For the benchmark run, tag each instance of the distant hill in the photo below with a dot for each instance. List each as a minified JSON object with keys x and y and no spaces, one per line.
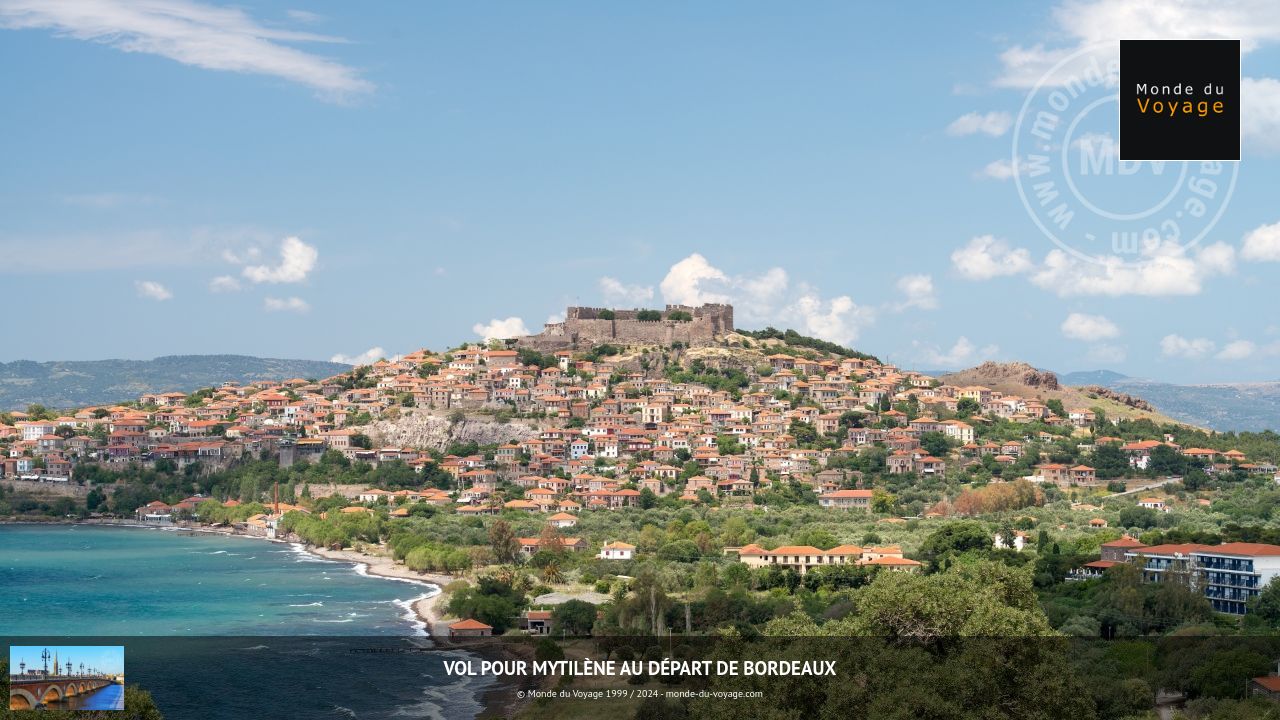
{"x":96,"y":382}
{"x":1091,"y":377}
{"x":1223,"y":407}
{"x":1024,"y":380}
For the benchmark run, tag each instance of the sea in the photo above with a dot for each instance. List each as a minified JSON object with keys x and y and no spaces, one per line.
{"x":224,"y":626}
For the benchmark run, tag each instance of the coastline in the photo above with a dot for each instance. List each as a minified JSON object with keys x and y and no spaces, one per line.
{"x":424,"y":608}
{"x":502,"y":698}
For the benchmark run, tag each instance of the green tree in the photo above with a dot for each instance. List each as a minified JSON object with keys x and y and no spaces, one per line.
{"x":1265,"y":606}
{"x":503,"y":540}
{"x":954,"y":539}
{"x":935,"y":443}
{"x":967,"y":407}
{"x":573,"y":617}
{"x":1138,"y":517}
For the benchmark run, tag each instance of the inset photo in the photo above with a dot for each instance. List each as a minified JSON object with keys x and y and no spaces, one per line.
{"x":66,"y":677}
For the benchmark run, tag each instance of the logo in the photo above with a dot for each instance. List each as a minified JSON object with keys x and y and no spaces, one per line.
{"x":1075,"y":186}
{"x":1180,"y":99}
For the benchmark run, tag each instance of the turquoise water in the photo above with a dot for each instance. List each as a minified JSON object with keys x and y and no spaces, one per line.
{"x":231,"y":611}
{"x":87,"y":580}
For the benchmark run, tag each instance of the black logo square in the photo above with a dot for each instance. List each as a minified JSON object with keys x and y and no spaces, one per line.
{"x":1179,"y":100}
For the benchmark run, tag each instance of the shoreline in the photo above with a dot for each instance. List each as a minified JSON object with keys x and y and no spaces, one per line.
{"x":423,"y":608}
{"x":503,"y":698}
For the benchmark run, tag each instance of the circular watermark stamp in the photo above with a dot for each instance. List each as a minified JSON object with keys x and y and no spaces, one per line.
{"x":1074,"y":186}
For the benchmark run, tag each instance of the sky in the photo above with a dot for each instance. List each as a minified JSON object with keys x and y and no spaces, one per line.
{"x":347,"y":181}
{"x":108,"y":659}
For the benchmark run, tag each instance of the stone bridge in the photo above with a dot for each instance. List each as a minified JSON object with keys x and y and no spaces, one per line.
{"x":27,"y":692}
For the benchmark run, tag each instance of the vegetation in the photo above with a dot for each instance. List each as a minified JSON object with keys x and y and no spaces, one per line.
{"x":62,"y":384}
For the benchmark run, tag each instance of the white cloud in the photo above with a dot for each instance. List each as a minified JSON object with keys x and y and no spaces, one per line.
{"x":1217,"y":259}
{"x":684,"y":283}
{"x":1191,"y":349}
{"x":152,"y":290}
{"x":224,"y":283}
{"x":297,"y":260}
{"x":1002,"y":169}
{"x":917,"y":291}
{"x":1090,"y":328}
{"x":618,"y":294}
{"x":555,"y":318}
{"x":192,"y":33}
{"x":986,"y":257}
{"x":768,"y":299}
{"x":964,"y":352}
{"x":1093,"y":29}
{"x":1260,"y":112}
{"x":1165,"y":270}
{"x":247,"y":255}
{"x":995,"y":124}
{"x":1262,"y":244}
{"x":497,"y":329}
{"x":1237,"y":350}
{"x":838,"y":320}
{"x":367,"y":357}
{"x":289,"y":304}
{"x":694,"y":281}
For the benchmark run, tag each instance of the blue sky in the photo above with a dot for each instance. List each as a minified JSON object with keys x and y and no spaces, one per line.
{"x":108,"y":659}
{"x":328,"y":179}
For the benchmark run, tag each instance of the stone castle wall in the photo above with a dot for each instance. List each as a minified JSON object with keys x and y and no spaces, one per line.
{"x":583,"y":326}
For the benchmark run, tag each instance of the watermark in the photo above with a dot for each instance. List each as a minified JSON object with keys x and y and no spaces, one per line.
{"x":1074,"y":186}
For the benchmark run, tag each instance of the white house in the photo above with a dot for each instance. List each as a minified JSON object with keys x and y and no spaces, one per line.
{"x":562,"y":520}
{"x":1154,"y":504}
{"x":617,"y":551}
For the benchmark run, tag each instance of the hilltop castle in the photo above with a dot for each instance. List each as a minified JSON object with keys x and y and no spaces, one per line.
{"x":585,"y":326}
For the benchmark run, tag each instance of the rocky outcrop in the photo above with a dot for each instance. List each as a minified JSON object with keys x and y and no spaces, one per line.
{"x":1132,"y":401}
{"x":421,"y":429}
{"x":993,"y":373}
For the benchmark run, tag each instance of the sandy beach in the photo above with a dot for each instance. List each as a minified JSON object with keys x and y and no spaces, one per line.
{"x":386,"y":566}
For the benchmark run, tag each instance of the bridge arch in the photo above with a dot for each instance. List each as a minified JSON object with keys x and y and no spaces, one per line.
{"x":70,"y":689}
{"x":53,"y":693}
{"x":20,"y":699}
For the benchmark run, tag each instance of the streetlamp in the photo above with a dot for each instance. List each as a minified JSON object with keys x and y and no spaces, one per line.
{"x":22,"y":668}
{"x":82,"y":668}
{"x":45,"y":657}
{"x":68,"y":667}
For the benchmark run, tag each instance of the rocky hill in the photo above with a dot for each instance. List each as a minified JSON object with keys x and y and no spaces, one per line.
{"x":1021,"y":379}
{"x":64,"y":384}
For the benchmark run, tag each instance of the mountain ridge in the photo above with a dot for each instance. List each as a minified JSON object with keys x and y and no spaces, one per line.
{"x":1241,"y":406}
{"x":77,"y":383}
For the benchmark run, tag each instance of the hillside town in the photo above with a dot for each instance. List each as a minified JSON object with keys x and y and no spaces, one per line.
{"x":611,"y":426}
